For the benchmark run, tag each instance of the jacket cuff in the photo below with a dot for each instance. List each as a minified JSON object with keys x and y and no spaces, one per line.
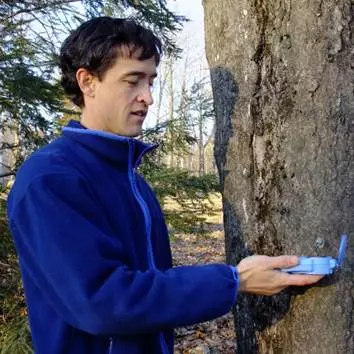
{"x":237,"y":281}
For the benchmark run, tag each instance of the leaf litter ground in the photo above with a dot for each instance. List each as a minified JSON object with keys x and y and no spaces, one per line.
{"x":217,"y":336}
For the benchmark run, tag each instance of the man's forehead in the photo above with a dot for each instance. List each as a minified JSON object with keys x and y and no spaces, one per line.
{"x":133,"y":66}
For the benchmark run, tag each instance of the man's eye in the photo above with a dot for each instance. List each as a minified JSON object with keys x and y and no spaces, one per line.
{"x":132,"y":83}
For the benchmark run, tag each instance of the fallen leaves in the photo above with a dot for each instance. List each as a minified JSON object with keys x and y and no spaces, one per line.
{"x":217,"y":336}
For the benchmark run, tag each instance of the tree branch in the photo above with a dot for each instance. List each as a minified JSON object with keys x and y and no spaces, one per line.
{"x":38,"y":8}
{"x":7,"y":174}
{"x":4,"y":265}
{"x":212,"y":134}
{"x":9,"y":146}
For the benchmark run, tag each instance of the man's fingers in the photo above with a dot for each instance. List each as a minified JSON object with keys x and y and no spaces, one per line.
{"x":301,"y":280}
{"x":283,"y":262}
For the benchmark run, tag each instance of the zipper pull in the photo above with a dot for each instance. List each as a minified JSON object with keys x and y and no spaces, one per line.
{"x":110,"y":348}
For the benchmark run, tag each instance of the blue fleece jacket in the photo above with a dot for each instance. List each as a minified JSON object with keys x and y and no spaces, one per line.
{"x":95,"y":255}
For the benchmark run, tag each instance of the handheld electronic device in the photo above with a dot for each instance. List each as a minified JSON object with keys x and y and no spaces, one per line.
{"x":320,"y":265}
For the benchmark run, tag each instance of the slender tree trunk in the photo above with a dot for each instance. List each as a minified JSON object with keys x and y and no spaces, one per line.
{"x":282,"y":78}
{"x":190,"y":158}
{"x":162,"y":84}
{"x":182,"y":114}
{"x":201,"y":146}
{"x":209,"y":158}
{"x":161,"y":87}
{"x":171,"y":108}
{"x":10,"y":154}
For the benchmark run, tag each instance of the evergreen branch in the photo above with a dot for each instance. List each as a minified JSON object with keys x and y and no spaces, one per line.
{"x":38,"y":8}
{"x":7,"y":174}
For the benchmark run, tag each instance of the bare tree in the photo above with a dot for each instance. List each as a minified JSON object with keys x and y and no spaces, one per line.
{"x":282,"y":77}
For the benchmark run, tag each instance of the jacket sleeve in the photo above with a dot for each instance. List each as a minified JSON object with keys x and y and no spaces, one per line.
{"x":66,"y":246}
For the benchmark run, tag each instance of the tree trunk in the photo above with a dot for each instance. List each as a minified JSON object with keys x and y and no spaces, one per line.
{"x":282,"y":78}
{"x":162,"y":78}
{"x":9,"y":152}
{"x":201,"y":168}
{"x":171,"y":110}
{"x":182,"y":112}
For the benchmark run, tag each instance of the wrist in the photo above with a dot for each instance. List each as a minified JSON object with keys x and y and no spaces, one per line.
{"x":241,"y":280}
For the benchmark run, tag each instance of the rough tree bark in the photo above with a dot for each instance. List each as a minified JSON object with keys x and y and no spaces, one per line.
{"x":282,"y":77}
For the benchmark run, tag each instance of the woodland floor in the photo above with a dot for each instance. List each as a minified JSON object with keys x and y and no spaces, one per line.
{"x":217,"y":336}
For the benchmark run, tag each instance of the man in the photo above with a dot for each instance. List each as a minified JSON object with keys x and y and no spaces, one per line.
{"x":92,"y":242}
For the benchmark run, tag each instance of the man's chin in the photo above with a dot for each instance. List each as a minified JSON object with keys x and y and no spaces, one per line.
{"x":135,"y":133}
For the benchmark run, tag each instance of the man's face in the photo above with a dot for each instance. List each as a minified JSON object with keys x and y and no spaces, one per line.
{"x":122,"y":97}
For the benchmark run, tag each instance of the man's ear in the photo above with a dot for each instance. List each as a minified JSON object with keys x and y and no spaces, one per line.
{"x":86,"y":82}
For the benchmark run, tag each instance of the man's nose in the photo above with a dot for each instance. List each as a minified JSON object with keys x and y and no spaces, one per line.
{"x":146,"y":96}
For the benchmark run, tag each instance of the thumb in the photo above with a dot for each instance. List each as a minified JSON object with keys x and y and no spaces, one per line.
{"x":283,"y":262}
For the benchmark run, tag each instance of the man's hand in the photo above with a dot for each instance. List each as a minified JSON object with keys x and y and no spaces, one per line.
{"x":261,"y":275}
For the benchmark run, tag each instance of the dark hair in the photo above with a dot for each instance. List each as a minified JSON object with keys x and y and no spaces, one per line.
{"x":95,"y":46}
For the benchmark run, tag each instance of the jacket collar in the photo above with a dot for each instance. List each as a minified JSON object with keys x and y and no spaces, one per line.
{"x":119,"y":150}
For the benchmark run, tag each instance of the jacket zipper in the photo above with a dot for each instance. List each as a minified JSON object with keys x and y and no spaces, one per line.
{"x":143,"y":206}
{"x":163,"y":344}
{"x":110,"y":345}
{"x":147,"y":218}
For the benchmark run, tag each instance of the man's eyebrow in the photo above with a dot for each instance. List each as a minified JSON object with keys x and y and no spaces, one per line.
{"x":139,"y":73}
